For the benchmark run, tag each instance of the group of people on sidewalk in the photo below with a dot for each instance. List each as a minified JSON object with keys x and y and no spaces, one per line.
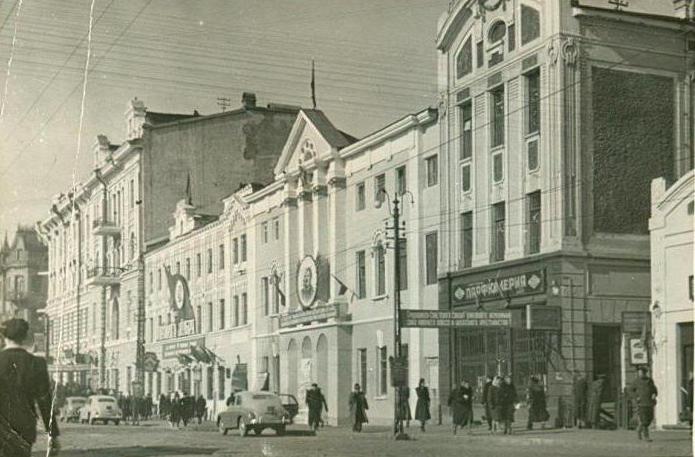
{"x":182,"y":408}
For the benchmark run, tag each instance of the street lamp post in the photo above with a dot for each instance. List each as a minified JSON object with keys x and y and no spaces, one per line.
{"x":398,"y":432}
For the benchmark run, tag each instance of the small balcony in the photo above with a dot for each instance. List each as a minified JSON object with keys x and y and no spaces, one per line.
{"x":101,"y":276}
{"x":104,"y":227}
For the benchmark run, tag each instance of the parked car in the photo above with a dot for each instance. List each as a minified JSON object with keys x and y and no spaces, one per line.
{"x":71,"y":409}
{"x":103,"y":408}
{"x":254,"y":411}
{"x":291,"y":405}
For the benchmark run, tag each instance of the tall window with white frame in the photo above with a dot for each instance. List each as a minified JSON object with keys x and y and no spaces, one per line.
{"x":235,"y":318}
{"x":361,"y":274}
{"x":466,"y":239}
{"x":235,"y":251}
{"x":243,"y":247}
{"x":221,"y":256}
{"x":222,"y":314}
{"x":533,"y":118}
{"x":264,"y":232}
{"x":497,"y":134}
{"x":382,"y":356}
{"x":379,"y":185}
{"x":265,"y":295}
{"x":210,"y":316}
{"x":432,"y":170}
{"x":403,"y":264}
{"x":534,"y":222}
{"x":379,"y":270}
{"x":498,"y":231}
{"x":244,"y":308}
{"x":466,"y":139}
{"x":431,"y":248}
{"x":401,"y":180}
{"x":363,"y":367}
{"x":360,"y":198}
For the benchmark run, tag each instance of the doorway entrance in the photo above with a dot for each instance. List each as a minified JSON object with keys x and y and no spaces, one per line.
{"x":606,"y":357}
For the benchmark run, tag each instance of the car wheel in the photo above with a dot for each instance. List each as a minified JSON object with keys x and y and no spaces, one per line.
{"x":221,"y":427}
{"x":117,"y":422}
{"x":257,"y":431}
{"x":281,"y":430}
{"x":243,"y":427}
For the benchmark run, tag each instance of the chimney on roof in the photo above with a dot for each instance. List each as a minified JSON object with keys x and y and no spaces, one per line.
{"x":102,"y":150}
{"x":248,"y":100}
{"x":684,"y":9}
{"x":135,"y":118}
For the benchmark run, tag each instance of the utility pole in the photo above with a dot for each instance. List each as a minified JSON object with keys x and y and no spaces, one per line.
{"x":224,"y":103}
{"x":398,"y":432}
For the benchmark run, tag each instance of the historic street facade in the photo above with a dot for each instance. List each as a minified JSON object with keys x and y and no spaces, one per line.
{"x":556,"y":117}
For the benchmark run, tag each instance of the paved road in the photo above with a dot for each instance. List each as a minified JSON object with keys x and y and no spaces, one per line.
{"x":156,"y":439}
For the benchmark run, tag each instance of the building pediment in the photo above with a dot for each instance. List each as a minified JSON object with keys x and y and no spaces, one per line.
{"x":312,"y":140}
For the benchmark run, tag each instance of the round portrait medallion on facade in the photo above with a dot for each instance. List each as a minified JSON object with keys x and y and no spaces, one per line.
{"x":307,"y":282}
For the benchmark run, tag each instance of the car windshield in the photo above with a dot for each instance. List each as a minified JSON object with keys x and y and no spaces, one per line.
{"x":263,"y":397}
{"x":106,"y":400}
{"x":78,"y":402}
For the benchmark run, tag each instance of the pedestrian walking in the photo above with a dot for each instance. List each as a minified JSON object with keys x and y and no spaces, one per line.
{"x":495,"y":403}
{"x":164,"y":407}
{"x":487,"y":403}
{"x":422,"y":407}
{"x":201,"y":407}
{"x":24,"y":383}
{"x":580,"y":394}
{"x":537,"y":409}
{"x":175,"y":410}
{"x":325,"y":406}
{"x":404,"y":405}
{"x":187,"y":408}
{"x":507,"y":404}
{"x":358,"y":408}
{"x":136,"y":403}
{"x":644,"y":394}
{"x":316,"y":402}
{"x":230,"y":399}
{"x":147,"y":412}
{"x":461,"y":404}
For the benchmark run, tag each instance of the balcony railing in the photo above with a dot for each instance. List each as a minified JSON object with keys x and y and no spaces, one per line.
{"x":104,"y":276}
{"x":104,"y":227}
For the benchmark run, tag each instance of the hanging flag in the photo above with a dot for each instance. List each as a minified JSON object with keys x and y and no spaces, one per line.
{"x":280,"y":293}
{"x":184,"y":359}
{"x":313,"y":84}
{"x":189,"y":192}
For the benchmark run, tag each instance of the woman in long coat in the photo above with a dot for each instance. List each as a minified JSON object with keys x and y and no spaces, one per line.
{"x":535,"y":397}
{"x":507,"y":402}
{"x":487,"y":402}
{"x":175,"y":410}
{"x":422,"y":407}
{"x":495,"y":403}
{"x":358,"y":409}
{"x":461,"y":403}
{"x":404,"y":405}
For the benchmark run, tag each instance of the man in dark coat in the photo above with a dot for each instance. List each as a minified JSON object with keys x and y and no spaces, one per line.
{"x":187,"y":408}
{"x":201,"y":407}
{"x":163,"y":406}
{"x":24,"y":383}
{"x":507,"y":404}
{"x":315,"y":401}
{"x":422,"y":407}
{"x":487,"y":403}
{"x":461,"y":404}
{"x":535,"y":396}
{"x":580,"y":390}
{"x":404,"y":405}
{"x":644,"y":394}
{"x":358,"y":408}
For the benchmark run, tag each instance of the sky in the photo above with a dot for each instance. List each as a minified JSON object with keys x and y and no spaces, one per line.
{"x":375,"y":62}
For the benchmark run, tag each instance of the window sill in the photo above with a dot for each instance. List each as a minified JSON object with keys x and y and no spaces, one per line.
{"x":381,"y":397}
{"x":380,"y":297}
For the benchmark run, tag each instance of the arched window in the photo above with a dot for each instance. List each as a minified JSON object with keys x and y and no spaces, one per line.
{"x":464,"y":61}
{"x":132,"y":246}
{"x":379,"y":269}
{"x":115,"y":317}
{"x":530,"y":24}
{"x":497,"y":32}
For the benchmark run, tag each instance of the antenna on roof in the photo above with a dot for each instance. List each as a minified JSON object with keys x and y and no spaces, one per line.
{"x":224,"y":103}
{"x":313,"y":84}
{"x":619,"y":4}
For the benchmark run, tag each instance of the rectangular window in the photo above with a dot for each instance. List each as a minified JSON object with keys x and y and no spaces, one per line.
{"x":151,"y":282}
{"x":222,"y":311}
{"x":210,"y":379}
{"x":497,"y":167}
{"x":178,"y":268}
{"x":210,"y":316}
{"x":362,"y":363}
{"x":466,"y":131}
{"x":361,"y":275}
{"x":132,"y":193}
{"x":380,"y":270}
{"x":276,"y":227}
{"x":382,"y":363}
{"x":199,"y":264}
{"x":209,"y":260}
{"x":466,"y":177}
{"x":264,"y":232}
{"x":235,"y":322}
{"x":532,"y":154}
{"x":379,"y":186}
{"x":360,"y":197}
{"x":498,"y":229}
{"x":401,"y":180}
{"x":533,"y":102}
{"x":221,"y":254}
{"x":403,"y":265}
{"x":244,"y":308}
{"x":534,"y":222}
{"x":432,"y":167}
{"x":188,"y":268}
{"x":235,"y":250}
{"x":467,"y":239}
{"x":221,"y":394}
{"x":511,"y":36}
{"x":243,"y":248}
{"x":431,"y":248}
{"x":199,"y":320}
{"x":159,"y":279}
{"x":480,"y":55}
{"x":265,"y":295}
{"x":497,"y":120}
